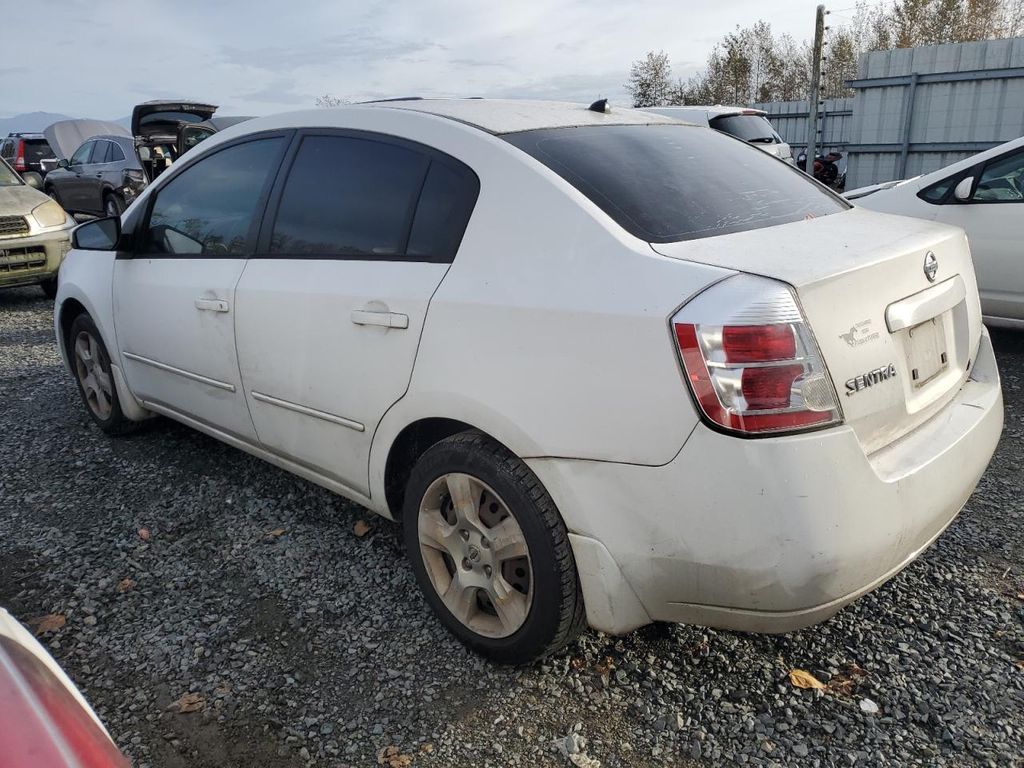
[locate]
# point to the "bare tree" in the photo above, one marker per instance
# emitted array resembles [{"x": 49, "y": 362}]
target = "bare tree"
[
  {"x": 329, "y": 101},
  {"x": 650, "y": 80}
]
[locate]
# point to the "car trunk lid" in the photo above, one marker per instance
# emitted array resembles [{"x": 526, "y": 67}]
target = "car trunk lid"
[
  {"x": 898, "y": 345},
  {"x": 162, "y": 118}
]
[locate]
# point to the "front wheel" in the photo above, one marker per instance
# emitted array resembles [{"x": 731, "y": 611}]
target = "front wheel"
[
  {"x": 490, "y": 550},
  {"x": 113, "y": 205},
  {"x": 91, "y": 365}
]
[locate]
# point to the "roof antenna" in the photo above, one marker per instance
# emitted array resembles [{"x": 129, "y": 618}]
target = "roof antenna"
[{"x": 601, "y": 105}]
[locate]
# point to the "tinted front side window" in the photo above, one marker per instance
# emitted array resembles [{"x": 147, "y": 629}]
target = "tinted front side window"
[
  {"x": 81, "y": 155},
  {"x": 665, "y": 183},
  {"x": 348, "y": 196},
  {"x": 1002, "y": 181},
  {"x": 209, "y": 208}
]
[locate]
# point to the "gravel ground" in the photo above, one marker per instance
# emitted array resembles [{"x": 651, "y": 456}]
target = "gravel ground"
[{"x": 183, "y": 567}]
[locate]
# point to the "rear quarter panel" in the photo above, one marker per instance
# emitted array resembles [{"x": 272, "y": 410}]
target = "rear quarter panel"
[{"x": 550, "y": 331}]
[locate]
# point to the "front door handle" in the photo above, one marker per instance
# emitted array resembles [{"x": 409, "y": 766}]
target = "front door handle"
[
  {"x": 385, "y": 319},
  {"x": 212, "y": 305}
]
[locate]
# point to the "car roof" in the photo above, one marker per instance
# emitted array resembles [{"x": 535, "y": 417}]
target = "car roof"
[
  {"x": 713, "y": 111},
  {"x": 500, "y": 116}
]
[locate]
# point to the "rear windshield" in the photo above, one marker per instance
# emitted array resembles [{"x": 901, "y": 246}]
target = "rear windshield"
[
  {"x": 666, "y": 183},
  {"x": 36, "y": 150},
  {"x": 747, "y": 127}
]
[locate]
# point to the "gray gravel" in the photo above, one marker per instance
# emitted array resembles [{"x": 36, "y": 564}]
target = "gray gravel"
[{"x": 311, "y": 645}]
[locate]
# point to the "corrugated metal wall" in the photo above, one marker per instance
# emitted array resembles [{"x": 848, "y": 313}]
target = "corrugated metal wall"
[
  {"x": 918, "y": 109},
  {"x": 790, "y": 120}
]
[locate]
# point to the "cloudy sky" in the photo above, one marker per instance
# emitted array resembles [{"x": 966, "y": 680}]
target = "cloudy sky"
[{"x": 100, "y": 57}]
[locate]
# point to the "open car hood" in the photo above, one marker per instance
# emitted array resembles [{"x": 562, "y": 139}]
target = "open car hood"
[
  {"x": 66, "y": 136},
  {"x": 162, "y": 117}
]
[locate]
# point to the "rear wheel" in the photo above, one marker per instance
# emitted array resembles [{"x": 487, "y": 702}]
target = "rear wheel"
[
  {"x": 490, "y": 551},
  {"x": 91, "y": 365}
]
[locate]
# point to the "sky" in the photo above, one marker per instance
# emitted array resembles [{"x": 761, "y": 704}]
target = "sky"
[{"x": 253, "y": 57}]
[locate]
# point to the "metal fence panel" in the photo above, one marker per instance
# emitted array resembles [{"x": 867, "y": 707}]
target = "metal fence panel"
[
  {"x": 790, "y": 120},
  {"x": 917, "y": 109}
]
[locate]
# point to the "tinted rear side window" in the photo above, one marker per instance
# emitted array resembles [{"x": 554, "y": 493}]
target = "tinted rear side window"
[
  {"x": 445, "y": 206},
  {"x": 666, "y": 183},
  {"x": 100, "y": 152},
  {"x": 363, "y": 198}
]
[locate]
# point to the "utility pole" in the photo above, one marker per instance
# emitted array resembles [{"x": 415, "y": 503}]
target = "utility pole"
[{"x": 812, "y": 113}]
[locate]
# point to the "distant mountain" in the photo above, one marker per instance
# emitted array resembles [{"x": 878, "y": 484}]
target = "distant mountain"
[{"x": 29, "y": 122}]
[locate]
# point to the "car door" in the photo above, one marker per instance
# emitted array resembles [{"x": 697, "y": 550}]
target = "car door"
[
  {"x": 69, "y": 185},
  {"x": 91, "y": 178},
  {"x": 992, "y": 219},
  {"x": 331, "y": 307},
  {"x": 174, "y": 299}
]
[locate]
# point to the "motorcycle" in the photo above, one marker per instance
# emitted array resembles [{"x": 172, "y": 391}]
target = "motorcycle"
[{"x": 826, "y": 167}]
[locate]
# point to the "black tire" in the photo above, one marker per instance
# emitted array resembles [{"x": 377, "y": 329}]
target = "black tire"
[
  {"x": 49, "y": 287},
  {"x": 556, "y": 614},
  {"x": 113, "y": 204},
  {"x": 114, "y": 422}
]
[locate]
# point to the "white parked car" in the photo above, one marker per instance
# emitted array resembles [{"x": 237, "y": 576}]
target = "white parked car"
[
  {"x": 750, "y": 125},
  {"x": 984, "y": 194},
  {"x": 606, "y": 368}
]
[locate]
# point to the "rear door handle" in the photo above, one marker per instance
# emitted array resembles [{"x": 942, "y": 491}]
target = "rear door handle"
[
  {"x": 212, "y": 305},
  {"x": 385, "y": 319}
]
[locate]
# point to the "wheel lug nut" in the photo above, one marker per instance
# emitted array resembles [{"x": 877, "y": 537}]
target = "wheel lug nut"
[
  {"x": 466, "y": 564},
  {"x": 464, "y": 534},
  {"x": 486, "y": 544},
  {"x": 487, "y": 570}
]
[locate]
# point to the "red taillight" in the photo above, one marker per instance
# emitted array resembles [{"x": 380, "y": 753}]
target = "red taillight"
[
  {"x": 758, "y": 343},
  {"x": 749, "y": 376},
  {"x": 41, "y": 721},
  {"x": 19, "y": 157}
]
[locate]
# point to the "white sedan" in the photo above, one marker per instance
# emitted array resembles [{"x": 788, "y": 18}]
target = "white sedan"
[
  {"x": 984, "y": 194},
  {"x": 604, "y": 367}
]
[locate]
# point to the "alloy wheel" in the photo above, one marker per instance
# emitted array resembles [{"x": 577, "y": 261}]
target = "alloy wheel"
[
  {"x": 93, "y": 371},
  {"x": 475, "y": 555}
]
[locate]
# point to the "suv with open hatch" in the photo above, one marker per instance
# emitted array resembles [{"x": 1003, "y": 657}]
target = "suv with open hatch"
[{"x": 604, "y": 367}]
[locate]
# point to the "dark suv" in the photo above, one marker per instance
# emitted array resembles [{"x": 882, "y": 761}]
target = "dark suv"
[
  {"x": 25, "y": 153},
  {"x": 107, "y": 172},
  {"x": 96, "y": 177}
]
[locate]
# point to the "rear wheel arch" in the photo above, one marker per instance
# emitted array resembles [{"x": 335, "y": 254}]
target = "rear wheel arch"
[{"x": 412, "y": 442}]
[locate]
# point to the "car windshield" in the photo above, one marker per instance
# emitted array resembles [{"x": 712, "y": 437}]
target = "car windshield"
[
  {"x": 8, "y": 178},
  {"x": 666, "y": 183},
  {"x": 753, "y": 128}
]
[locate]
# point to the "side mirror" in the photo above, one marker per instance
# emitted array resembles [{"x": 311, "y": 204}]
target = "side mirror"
[
  {"x": 97, "y": 235},
  {"x": 962, "y": 192},
  {"x": 63, "y": 163}
]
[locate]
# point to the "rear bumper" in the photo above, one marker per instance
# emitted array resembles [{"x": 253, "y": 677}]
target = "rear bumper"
[
  {"x": 34, "y": 258},
  {"x": 775, "y": 534}
]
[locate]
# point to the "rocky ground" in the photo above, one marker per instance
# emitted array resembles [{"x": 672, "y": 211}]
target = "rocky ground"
[{"x": 193, "y": 577}]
